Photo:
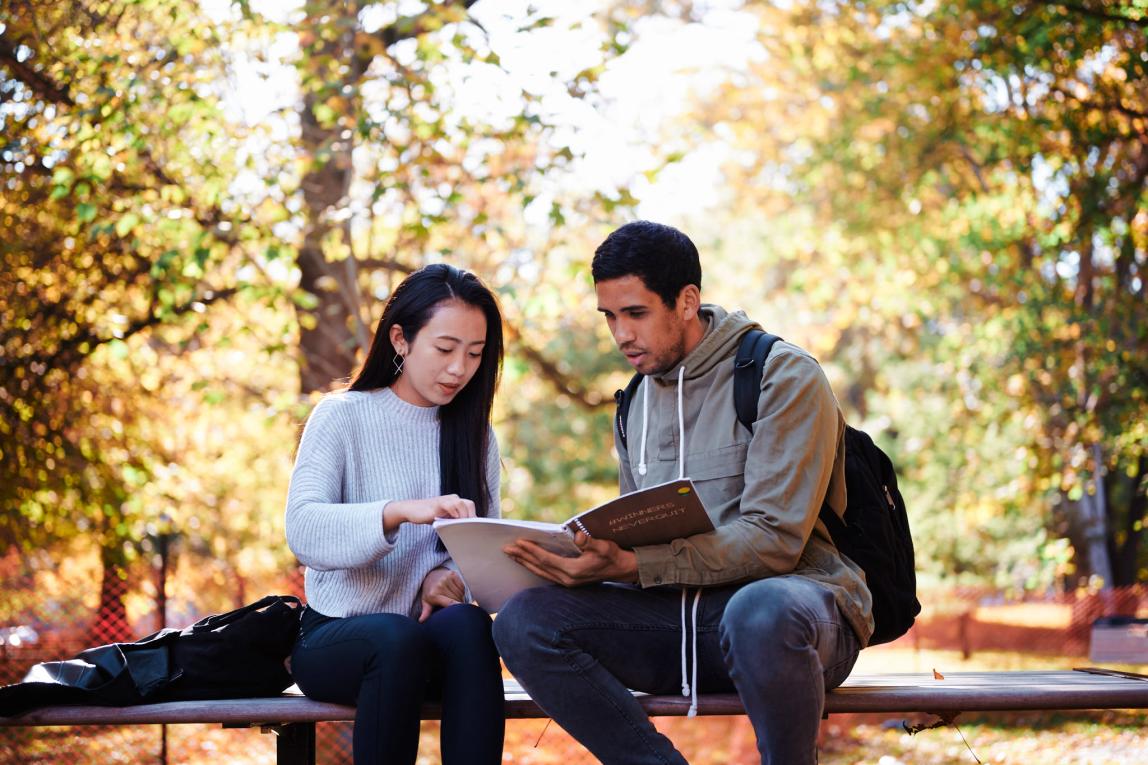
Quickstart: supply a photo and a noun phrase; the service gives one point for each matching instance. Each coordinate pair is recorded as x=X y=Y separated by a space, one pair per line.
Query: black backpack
x=238 y=654
x=875 y=531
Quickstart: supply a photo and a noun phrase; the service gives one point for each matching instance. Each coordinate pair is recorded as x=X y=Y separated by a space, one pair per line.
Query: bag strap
x=214 y=622
x=623 y=398
x=748 y=367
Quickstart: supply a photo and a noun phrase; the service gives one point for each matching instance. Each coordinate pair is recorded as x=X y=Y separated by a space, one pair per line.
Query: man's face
x=651 y=336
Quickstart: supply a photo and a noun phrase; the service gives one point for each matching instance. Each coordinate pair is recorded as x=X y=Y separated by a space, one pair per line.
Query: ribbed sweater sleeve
x=323 y=530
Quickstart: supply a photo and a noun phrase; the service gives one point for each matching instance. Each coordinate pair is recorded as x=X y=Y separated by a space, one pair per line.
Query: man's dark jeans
x=780 y=642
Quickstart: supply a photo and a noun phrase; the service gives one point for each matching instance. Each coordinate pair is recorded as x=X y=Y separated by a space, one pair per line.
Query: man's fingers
x=527 y=558
x=593 y=564
x=555 y=568
x=540 y=553
x=549 y=574
x=426 y=612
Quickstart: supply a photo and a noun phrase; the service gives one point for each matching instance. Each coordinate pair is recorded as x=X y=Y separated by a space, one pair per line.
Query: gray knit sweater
x=359 y=451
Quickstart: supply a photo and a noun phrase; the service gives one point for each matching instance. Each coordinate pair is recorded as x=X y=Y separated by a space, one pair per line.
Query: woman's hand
x=425 y=510
x=441 y=588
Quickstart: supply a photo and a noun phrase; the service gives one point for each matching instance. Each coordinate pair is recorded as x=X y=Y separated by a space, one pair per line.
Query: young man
x=764 y=604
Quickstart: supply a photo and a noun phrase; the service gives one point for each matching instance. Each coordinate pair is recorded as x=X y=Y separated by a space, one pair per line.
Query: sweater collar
x=390 y=402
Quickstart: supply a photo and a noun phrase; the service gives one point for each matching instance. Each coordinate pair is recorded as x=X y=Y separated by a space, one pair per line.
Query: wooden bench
x=293 y=716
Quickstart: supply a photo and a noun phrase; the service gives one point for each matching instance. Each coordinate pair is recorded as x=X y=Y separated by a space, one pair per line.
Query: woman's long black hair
x=465 y=421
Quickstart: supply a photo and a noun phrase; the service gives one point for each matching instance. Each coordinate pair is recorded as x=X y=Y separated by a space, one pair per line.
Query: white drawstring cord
x=681 y=427
x=690 y=687
x=685 y=683
x=645 y=424
x=694 y=682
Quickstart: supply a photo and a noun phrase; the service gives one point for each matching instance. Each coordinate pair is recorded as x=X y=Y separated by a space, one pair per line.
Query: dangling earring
x=398 y=361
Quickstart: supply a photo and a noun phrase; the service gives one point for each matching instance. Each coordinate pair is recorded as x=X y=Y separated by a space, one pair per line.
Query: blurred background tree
x=968 y=182
x=944 y=203
x=184 y=274
x=122 y=243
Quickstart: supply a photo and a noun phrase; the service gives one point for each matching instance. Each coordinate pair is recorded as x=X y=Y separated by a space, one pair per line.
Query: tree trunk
x=1095 y=509
x=333 y=329
x=111 y=622
x=1126 y=553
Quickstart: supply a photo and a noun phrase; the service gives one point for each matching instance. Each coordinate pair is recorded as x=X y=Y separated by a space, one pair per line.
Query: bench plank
x=909 y=692
x=988 y=692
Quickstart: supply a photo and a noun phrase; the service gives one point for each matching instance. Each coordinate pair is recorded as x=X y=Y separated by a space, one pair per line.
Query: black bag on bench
x=238 y=654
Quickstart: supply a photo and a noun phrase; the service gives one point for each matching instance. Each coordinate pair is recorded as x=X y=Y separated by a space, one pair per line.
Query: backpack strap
x=623 y=398
x=747 y=371
x=215 y=621
x=748 y=367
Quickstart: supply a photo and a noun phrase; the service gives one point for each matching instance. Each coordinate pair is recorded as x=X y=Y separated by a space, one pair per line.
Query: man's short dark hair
x=661 y=256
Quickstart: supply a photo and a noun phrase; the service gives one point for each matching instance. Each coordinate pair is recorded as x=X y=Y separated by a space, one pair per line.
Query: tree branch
x=53 y=91
x=1102 y=106
x=566 y=384
x=1102 y=15
x=38 y=83
x=414 y=26
x=387 y=263
x=68 y=351
x=404 y=28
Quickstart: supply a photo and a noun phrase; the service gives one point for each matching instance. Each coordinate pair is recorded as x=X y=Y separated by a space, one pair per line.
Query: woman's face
x=444 y=355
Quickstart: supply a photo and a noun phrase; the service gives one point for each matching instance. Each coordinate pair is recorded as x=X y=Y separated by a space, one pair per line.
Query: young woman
x=388 y=619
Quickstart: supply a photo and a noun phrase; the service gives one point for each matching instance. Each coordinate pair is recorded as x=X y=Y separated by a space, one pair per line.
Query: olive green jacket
x=763 y=490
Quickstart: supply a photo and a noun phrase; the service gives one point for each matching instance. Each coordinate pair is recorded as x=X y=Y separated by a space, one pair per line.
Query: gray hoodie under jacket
x=763 y=490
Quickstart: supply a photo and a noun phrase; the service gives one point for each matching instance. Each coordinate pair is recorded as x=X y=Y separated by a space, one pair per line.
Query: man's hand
x=600 y=561
x=441 y=588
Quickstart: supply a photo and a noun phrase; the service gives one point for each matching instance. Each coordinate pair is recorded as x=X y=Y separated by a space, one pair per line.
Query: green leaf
x=325 y=115
x=118 y=349
x=126 y=224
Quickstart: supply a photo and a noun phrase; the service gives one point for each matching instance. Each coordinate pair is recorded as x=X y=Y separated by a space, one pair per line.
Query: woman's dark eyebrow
x=458 y=340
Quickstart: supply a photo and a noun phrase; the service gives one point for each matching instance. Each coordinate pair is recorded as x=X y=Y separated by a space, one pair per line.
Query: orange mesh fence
x=36 y=626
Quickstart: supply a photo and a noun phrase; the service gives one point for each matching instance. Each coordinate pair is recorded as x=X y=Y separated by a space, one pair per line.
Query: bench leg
x=295 y=744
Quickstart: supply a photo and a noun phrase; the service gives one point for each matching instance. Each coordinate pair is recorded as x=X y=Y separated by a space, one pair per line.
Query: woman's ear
x=398 y=342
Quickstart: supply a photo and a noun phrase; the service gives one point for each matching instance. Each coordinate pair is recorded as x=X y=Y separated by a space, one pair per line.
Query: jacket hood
x=723 y=332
